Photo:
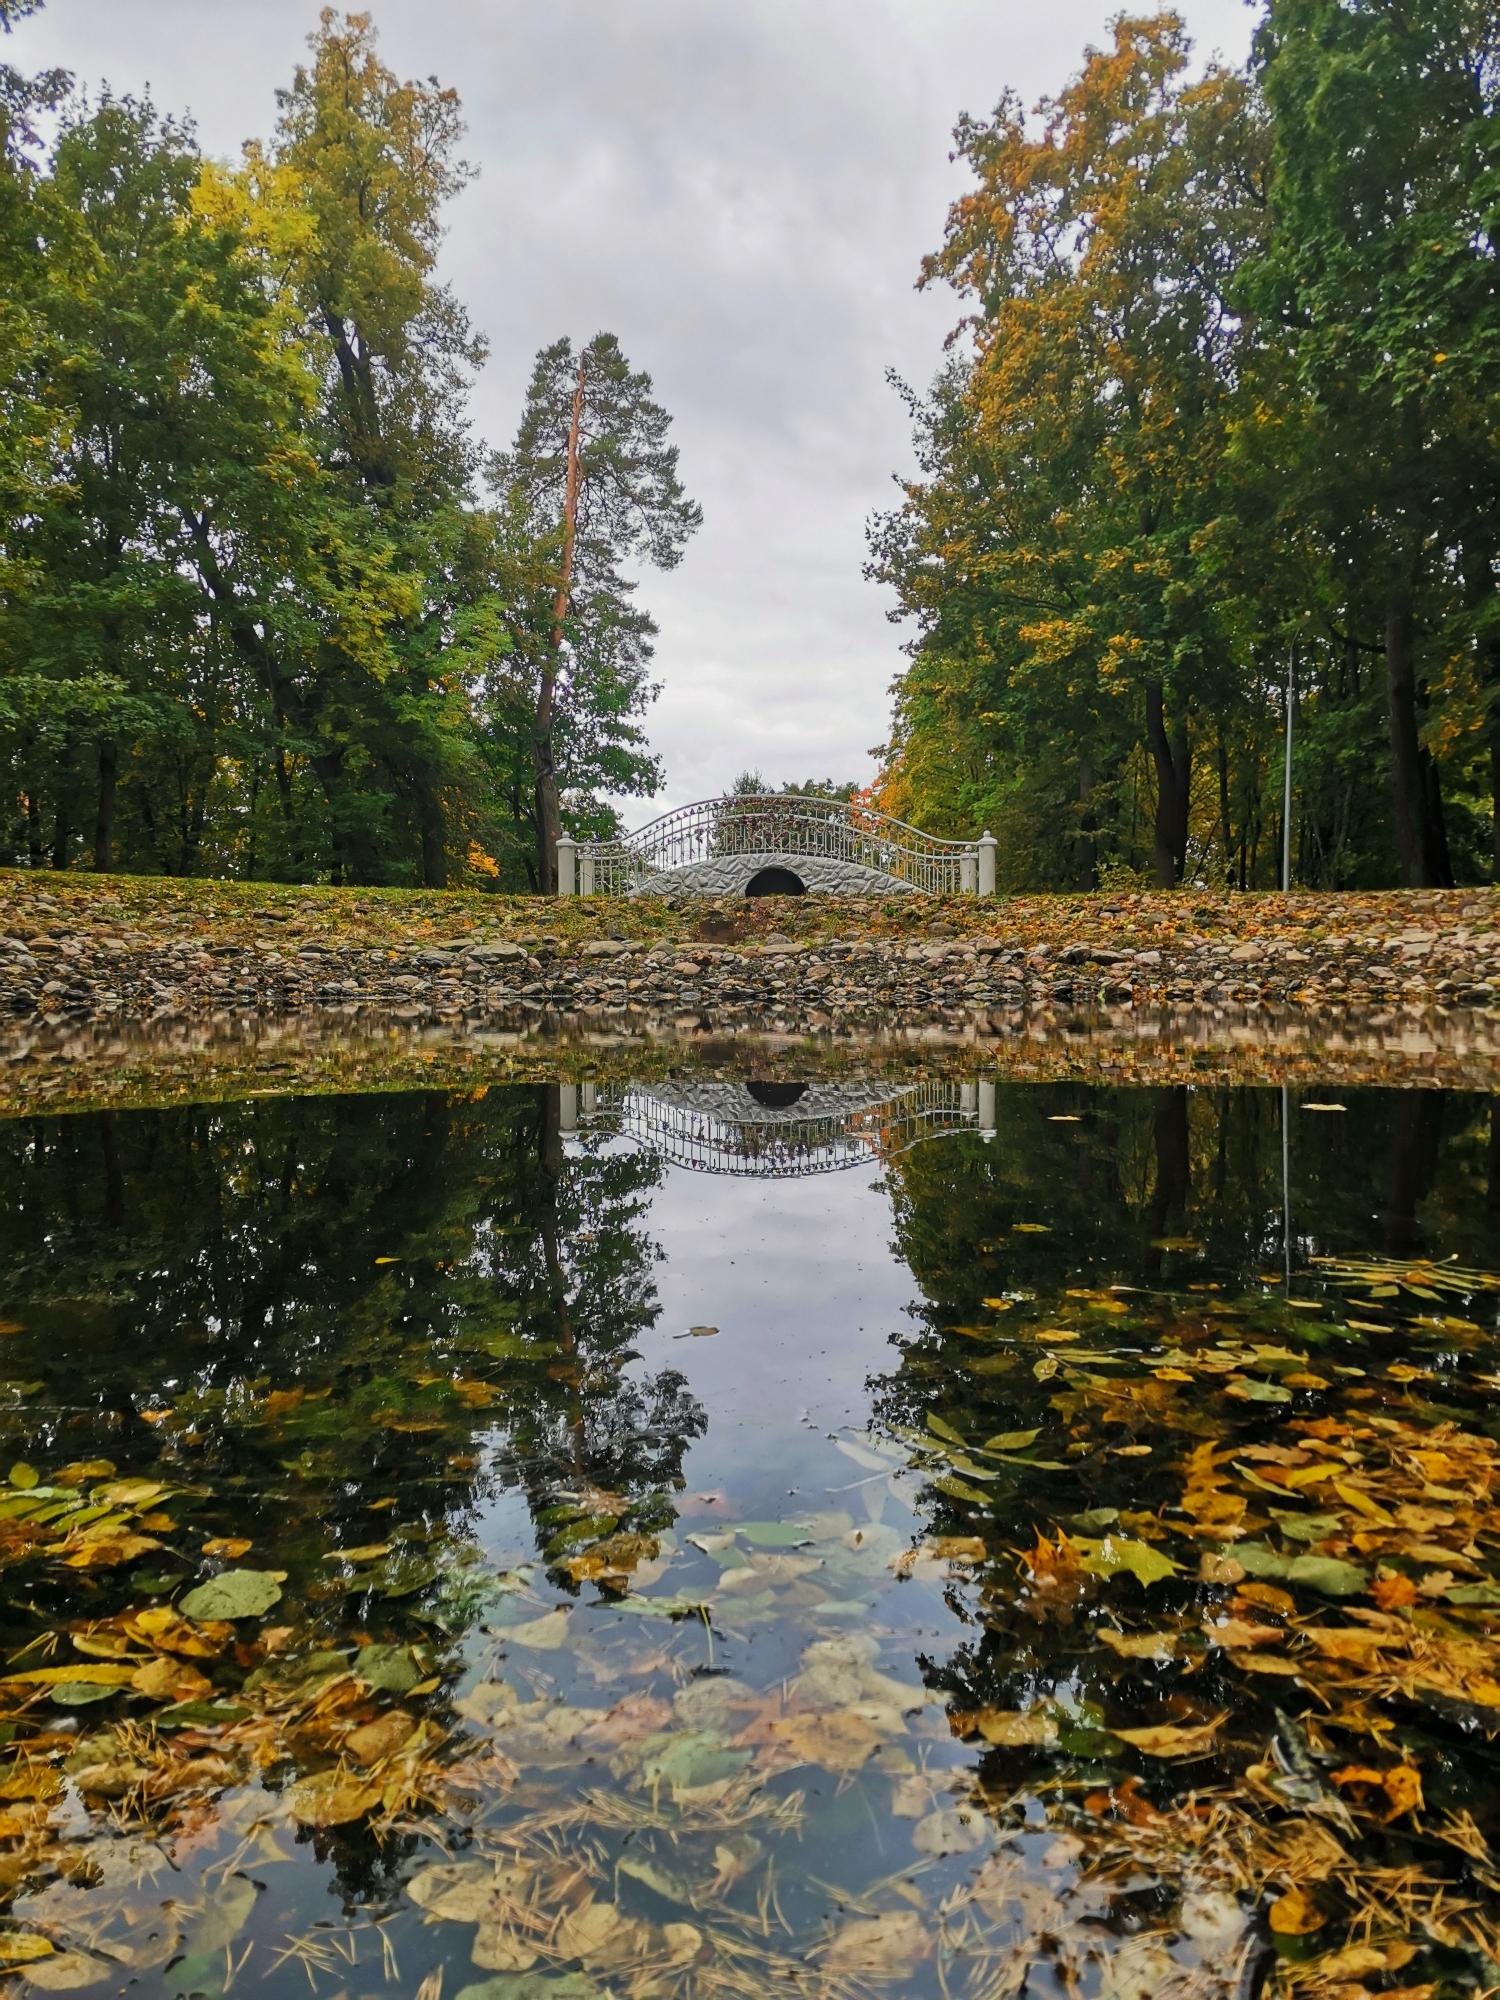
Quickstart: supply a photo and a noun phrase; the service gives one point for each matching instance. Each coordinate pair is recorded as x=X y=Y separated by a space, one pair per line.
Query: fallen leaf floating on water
x=1167 y=1739
x=24 y=1947
x=884 y=1948
x=101 y=1675
x=238 y=1593
x=166 y=1679
x=1401 y=1785
x=102 y=1548
x=1036 y=1728
x=839 y=1740
x=332 y=1798
x=1295 y=1914
x=951 y=1830
x=1158 y=1646
x=542 y=1634
x=229 y=1548
x=375 y=1742
x=168 y=1631
x=67 y=1972
x=1115 y=1553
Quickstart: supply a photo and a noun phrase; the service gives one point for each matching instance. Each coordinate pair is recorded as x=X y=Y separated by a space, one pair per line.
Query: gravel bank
x=117 y=948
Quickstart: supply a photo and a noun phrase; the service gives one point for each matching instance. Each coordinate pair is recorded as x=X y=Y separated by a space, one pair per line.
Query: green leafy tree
x=1377 y=281
x=1072 y=457
x=594 y=479
x=155 y=329
x=366 y=162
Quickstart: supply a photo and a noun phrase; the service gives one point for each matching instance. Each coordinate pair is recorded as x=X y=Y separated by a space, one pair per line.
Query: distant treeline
x=268 y=607
x=1224 y=407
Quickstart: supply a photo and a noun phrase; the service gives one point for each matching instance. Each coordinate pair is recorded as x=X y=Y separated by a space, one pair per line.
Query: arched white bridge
x=776 y=843
x=777 y=1131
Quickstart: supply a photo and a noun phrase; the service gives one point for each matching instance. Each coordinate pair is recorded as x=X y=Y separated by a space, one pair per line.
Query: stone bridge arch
x=785 y=843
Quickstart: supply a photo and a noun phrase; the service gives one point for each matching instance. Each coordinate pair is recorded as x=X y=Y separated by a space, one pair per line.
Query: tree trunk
x=548 y=801
x=36 y=845
x=104 y=818
x=192 y=829
x=328 y=768
x=1416 y=1146
x=1436 y=823
x=1420 y=838
x=1088 y=823
x=434 y=837
x=1173 y=762
x=62 y=829
x=291 y=852
x=1173 y=1151
x=252 y=819
x=1226 y=828
x=1479 y=578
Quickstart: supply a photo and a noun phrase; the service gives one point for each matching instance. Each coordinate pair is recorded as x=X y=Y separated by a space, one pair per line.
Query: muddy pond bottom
x=730 y=1538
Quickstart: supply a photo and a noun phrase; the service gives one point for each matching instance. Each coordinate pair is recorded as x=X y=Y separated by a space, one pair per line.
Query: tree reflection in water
x=317 y=1250
x=407 y=1353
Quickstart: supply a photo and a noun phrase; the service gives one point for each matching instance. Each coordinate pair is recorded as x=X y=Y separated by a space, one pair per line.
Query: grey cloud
x=743 y=193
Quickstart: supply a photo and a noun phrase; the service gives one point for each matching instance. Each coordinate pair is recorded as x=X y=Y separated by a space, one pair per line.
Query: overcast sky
x=742 y=190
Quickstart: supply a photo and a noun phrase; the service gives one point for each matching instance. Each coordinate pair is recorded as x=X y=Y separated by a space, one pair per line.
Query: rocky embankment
x=118 y=948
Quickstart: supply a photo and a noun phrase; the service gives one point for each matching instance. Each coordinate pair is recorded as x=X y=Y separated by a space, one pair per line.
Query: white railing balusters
x=777 y=824
x=779 y=1145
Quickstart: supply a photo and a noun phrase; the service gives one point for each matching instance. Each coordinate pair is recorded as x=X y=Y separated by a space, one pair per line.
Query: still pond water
x=731 y=1538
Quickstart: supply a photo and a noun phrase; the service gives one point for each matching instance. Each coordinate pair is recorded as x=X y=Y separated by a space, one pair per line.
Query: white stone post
x=987 y=1111
x=567 y=1109
x=987 y=847
x=968 y=875
x=590 y=1093
x=586 y=872
x=968 y=1099
x=567 y=879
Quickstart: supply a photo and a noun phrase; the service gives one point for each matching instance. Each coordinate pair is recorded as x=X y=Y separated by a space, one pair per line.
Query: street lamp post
x=1286 y=797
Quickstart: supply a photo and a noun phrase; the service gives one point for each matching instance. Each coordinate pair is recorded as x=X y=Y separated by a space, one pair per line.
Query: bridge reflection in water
x=776 y=1131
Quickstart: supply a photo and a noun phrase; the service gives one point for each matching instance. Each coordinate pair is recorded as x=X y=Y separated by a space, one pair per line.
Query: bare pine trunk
x=548 y=801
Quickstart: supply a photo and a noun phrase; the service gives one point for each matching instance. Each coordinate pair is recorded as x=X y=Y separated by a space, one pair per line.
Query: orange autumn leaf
x=1295 y=1914
x=1391 y=1593
x=1359 y=1774
x=1403 y=1787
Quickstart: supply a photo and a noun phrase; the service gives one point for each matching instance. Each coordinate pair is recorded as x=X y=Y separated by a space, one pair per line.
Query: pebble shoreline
x=56 y=1065
x=1447 y=955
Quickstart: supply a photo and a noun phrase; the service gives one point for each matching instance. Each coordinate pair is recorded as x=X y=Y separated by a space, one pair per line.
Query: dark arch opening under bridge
x=775 y=882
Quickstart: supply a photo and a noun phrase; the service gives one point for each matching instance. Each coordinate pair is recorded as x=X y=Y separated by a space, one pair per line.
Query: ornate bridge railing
x=722 y=844
x=718 y=1128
